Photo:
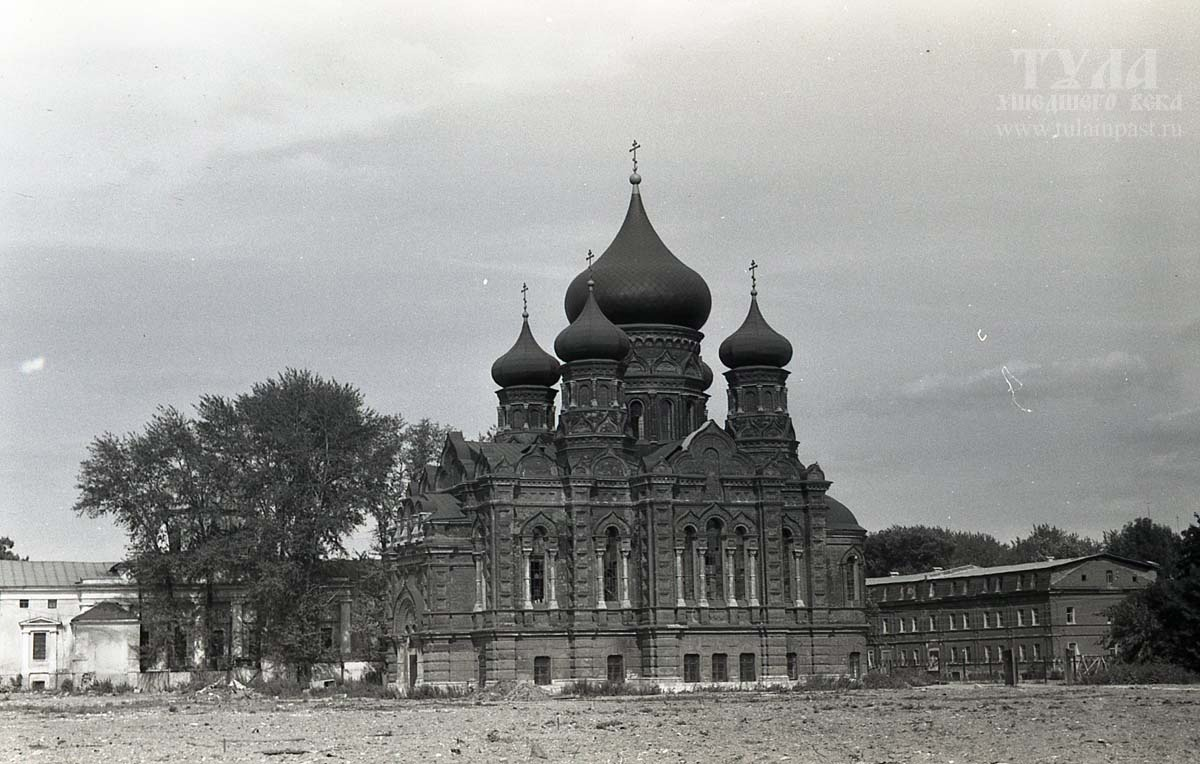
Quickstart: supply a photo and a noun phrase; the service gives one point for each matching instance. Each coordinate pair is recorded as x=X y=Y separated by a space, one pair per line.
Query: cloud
x=33 y=365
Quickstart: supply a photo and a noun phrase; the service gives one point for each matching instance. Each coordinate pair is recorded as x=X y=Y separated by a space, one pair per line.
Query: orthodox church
x=619 y=533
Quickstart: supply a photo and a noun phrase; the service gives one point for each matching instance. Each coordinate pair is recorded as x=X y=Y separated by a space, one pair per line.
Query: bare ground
x=966 y=723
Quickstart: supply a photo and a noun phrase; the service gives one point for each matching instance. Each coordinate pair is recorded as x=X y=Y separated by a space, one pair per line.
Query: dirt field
x=1031 y=723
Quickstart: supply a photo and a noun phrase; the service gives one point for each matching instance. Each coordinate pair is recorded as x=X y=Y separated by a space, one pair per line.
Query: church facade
x=611 y=531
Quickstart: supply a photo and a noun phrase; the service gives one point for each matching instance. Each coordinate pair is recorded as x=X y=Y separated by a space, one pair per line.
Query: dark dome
x=639 y=281
x=706 y=375
x=591 y=336
x=525 y=363
x=755 y=343
x=839 y=516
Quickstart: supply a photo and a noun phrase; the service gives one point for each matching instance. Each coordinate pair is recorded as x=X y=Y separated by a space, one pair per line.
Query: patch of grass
x=1142 y=673
x=586 y=689
x=434 y=692
x=897 y=680
x=106 y=687
x=67 y=685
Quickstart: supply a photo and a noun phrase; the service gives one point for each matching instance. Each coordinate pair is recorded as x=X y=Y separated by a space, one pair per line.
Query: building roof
x=525 y=363
x=639 y=280
x=969 y=571
x=839 y=516
x=22 y=574
x=755 y=343
x=105 y=612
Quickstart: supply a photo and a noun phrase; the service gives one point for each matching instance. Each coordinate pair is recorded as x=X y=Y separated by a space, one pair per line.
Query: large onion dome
x=755 y=343
x=525 y=363
x=591 y=336
x=639 y=281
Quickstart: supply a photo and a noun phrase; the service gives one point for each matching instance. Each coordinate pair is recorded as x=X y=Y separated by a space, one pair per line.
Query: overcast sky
x=193 y=199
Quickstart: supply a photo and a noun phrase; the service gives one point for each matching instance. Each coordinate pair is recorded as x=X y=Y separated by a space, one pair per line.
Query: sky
x=975 y=221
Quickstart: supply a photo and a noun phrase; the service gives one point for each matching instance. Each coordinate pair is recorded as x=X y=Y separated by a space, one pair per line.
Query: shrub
x=898 y=680
x=436 y=692
x=67 y=685
x=586 y=689
x=1142 y=673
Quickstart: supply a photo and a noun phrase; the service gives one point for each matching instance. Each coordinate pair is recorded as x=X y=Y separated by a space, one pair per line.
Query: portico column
x=797 y=560
x=552 y=576
x=730 y=599
x=525 y=555
x=701 y=579
x=679 y=601
x=753 y=565
x=625 y=578
x=479 y=596
x=600 y=580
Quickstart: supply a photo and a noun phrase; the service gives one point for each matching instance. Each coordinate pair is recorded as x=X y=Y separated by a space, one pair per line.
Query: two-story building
x=959 y=622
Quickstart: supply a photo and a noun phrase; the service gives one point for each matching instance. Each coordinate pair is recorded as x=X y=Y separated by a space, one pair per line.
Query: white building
x=66 y=619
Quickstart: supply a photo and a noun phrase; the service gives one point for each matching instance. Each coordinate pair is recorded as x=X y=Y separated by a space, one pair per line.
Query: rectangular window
x=52 y=604
x=987 y=654
x=966 y=624
x=793 y=666
x=996 y=584
x=884 y=625
x=912 y=624
x=720 y=667
x=616 y=668
x=954 y=655
x=950 y=620
x=999 y=620
x=932 y=591
x=39 y=645
x=1020 y=617
x=1109 y=577
x=1033 y=617
x=691 y=667
x=22 y=603
x=1073 y=648
x=541 y=669
x=900 y=624
x=1037 y=652
x=1070 y=615
x=1019 y=577
x=326 y=637
x=1083 y=577
x=746 y=671
x=932 y=624
x=985 y=620
x=1021 y=652
x=537 y=579
x=962 y=589
x=903 y=658
x=916 y=656
x=966 y=655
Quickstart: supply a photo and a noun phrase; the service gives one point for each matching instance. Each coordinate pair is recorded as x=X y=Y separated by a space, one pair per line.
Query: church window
x=739 y=565
x=749 y=400
x=768 y=400
x=691 y=424
x=518 y=419
x=612 y=562
x=714 y=568
x=585 y=394
x=537 y=566
x=689 y=563
x=635 y=419
x=720 y=667
x=541 y=669
x=850 y=574
x=535 y=418
x=746 y=668
x=793 y=667
x=788 y=575
x=602 y=395
x=666 y=422
x=616 y=668
x=39 y=645
x=691 y=667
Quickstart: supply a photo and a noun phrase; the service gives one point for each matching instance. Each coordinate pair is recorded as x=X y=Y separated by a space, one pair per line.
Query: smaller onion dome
x=706 y=375
x=591 y=336
x=755 y=343
x=525 y=363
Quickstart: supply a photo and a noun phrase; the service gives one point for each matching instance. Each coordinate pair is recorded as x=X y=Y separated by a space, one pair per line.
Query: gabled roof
x=21 y=574
x=105 y=612
x=969 y=571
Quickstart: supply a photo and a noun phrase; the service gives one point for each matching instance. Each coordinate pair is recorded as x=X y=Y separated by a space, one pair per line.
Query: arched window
x=518 y=419
x=585 y=394
x=690 y=423
x=714 y=567
x=749 y=400
x=689 y=563
x=537 y=566
x=535 y=418
x=602 y=395
x=789 y=575
x=739 y=564
x=635 y=419
x=768 y=400
x=612 y=563
x=850 y=573
x=666 y=419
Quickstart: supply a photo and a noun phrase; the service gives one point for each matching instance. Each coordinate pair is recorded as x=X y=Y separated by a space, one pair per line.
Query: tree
x=422 y=445
x=6 y=550
x=1048 y=541
x=1144 y=539
x=258 y=490
x=920 y=548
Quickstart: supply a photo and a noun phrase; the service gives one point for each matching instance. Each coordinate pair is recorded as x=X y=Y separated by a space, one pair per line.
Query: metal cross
x=590 y=257
x=634 y=152
x=524 y=300
x=753 y=277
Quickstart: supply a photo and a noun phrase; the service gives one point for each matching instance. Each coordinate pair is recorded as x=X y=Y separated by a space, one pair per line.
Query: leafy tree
x=422 y=446
x=6 y=550
x=920 y=548
x=1162 y=621
x=1048 y=541
x=1144 y=539
x=259 y=489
